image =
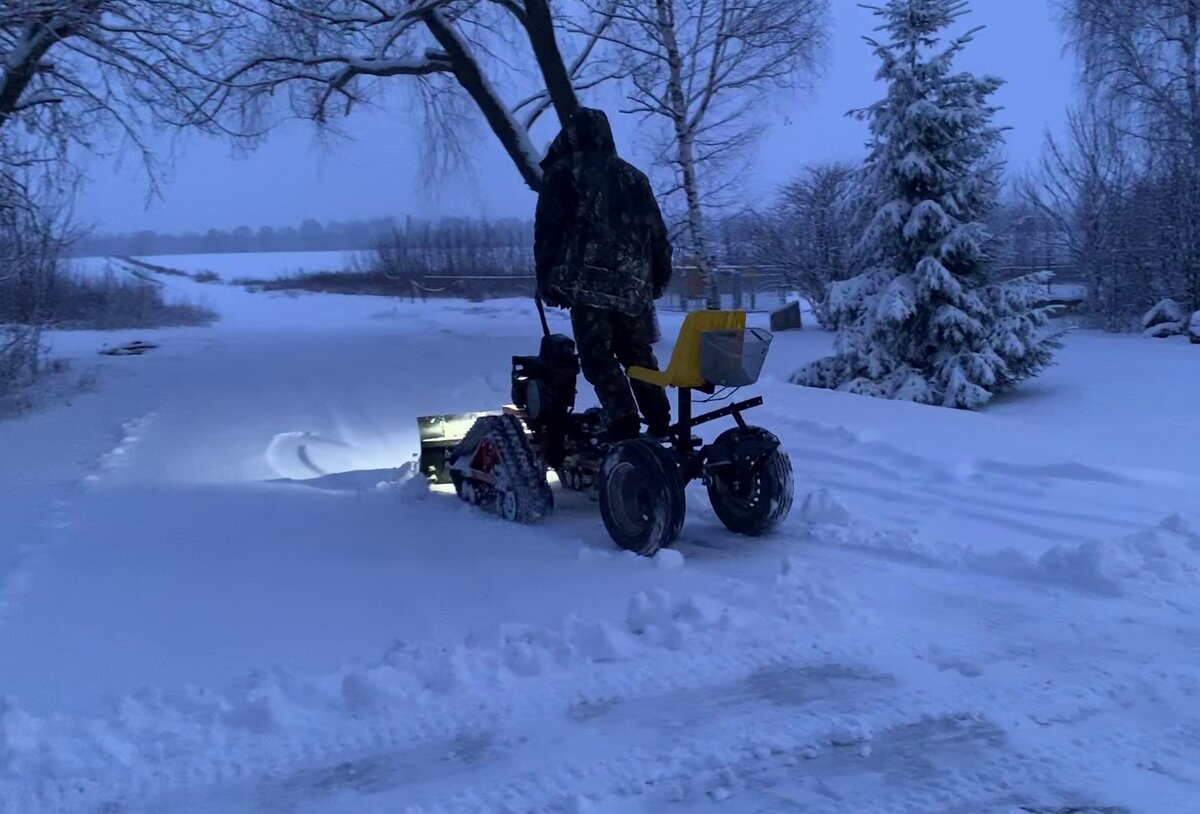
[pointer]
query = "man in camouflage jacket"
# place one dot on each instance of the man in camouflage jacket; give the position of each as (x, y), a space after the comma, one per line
(602, 250)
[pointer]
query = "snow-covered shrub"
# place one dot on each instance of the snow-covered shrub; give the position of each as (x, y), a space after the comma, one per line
(1193, 329)
(1164, 330)
(1166, 318)
(109, 302)
(925, 322)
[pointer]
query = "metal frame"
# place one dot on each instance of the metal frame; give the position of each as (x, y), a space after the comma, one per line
(691, 451)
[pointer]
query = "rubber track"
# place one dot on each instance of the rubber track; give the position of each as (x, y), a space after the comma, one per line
(523, 472)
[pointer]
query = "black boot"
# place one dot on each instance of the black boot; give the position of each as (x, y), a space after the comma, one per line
(621, 429)
(658, 431)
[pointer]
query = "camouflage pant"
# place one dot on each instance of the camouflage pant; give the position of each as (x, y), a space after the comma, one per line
(609, 342)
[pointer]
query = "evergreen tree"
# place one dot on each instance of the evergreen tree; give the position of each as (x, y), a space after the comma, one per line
(923, 323)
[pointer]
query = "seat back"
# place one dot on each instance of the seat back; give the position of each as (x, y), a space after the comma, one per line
(684, 370)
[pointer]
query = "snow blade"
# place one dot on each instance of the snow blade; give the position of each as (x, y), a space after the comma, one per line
(439, 434)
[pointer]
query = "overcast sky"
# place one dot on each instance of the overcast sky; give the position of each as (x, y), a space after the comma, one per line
(375, 173)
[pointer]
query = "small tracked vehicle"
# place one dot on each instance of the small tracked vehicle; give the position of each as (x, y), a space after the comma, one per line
(501, 460)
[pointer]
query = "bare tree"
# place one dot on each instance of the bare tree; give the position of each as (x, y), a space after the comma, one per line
(77, 71)
(75, 74)
(1087, 186)
(329, 57)
(809, 233)
(30, 248)
(703, 68)
(1143, 57)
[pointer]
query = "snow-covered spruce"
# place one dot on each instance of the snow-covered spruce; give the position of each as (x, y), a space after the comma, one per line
(925, 323)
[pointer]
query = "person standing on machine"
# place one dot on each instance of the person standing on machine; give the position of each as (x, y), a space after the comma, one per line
(602, 251)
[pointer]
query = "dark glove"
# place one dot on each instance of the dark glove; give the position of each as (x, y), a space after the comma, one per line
(548, 297)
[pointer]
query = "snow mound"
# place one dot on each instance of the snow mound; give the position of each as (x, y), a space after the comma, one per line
(665, 559)
(1194, 327)
(658, 617)
(1166, 311)
(1166, 553)
(1163, 330)
(668, 559)
(408, 485)
(810, 596)
(822, 508)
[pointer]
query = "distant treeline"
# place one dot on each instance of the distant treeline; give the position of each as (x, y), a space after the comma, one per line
(312, 235)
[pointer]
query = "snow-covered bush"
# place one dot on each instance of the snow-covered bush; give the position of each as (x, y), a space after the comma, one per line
(925, 322)
(1193, 329)
(109, 302)
(1167, 318)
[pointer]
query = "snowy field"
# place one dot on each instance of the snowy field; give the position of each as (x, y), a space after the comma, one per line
(988, 613)
(236, 265)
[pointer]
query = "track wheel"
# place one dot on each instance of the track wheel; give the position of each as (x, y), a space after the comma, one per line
(465, 489)
(641, 496)
(508, 505)
(751, 498)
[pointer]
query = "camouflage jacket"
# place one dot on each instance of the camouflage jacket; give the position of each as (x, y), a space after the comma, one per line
(599, 236)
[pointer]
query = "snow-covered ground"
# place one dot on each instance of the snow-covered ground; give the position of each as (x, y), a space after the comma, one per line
(988, 613)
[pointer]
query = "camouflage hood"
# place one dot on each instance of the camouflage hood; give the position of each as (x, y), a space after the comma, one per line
(588, 131)
(599, 238)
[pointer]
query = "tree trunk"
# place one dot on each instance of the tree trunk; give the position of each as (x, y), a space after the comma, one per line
(34, 44)
(685, 152)
(539, 25)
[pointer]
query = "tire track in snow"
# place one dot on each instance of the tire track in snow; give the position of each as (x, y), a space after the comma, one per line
(18, 567)
(18, 556)
(936, 510)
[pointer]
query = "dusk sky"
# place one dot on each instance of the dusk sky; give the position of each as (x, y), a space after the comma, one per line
(376, 172)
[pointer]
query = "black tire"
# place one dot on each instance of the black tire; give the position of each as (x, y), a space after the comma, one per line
(641, 497)
(754, 502)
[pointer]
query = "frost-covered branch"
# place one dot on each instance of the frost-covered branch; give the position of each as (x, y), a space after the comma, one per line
(81, 71)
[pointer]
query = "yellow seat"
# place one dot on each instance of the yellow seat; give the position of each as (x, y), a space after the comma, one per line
(684, 369)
